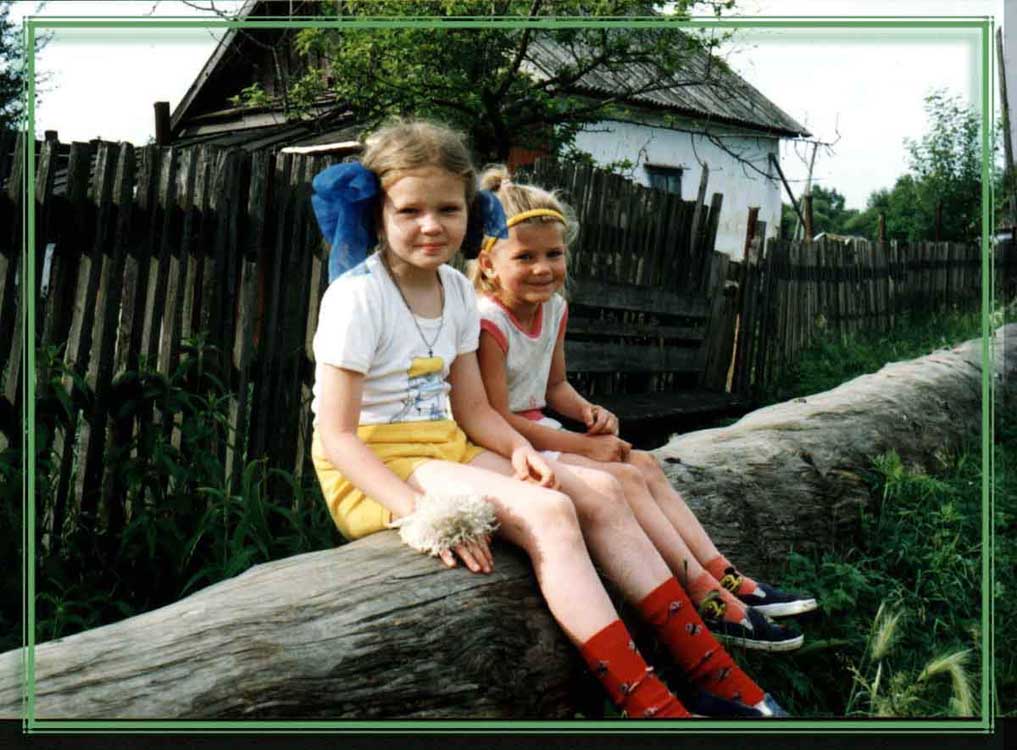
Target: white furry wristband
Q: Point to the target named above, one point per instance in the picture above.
(441, 522)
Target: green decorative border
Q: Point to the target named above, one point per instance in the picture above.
(983, 724)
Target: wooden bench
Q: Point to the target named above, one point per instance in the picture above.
(657, 359)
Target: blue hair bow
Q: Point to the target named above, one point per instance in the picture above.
(487, 219)
(344, 202)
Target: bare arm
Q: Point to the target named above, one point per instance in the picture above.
(492, 368)
(486, 427)
(338, 418)
(564, 399)
(560, 394)
(599, 447)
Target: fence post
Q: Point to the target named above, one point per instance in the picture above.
(718, 341)
(91, 444)
(10, 254)
(252, 239)
(278, 216)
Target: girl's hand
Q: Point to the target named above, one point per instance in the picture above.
(530, 466)
(607, 448)
(599, 421)
(476, 555)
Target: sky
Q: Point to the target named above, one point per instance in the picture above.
(859, 91)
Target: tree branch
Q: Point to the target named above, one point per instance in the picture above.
(524, 44)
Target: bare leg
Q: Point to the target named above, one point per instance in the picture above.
(657, 526)
(615, 539)
(673, 505)
(543, 522)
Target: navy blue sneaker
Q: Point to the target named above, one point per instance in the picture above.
(756, 631)
(766, 599)
(769, 708)
(707, 704)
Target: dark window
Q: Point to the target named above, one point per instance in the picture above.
(668, 179)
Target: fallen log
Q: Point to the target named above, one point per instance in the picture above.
(369, 630)
(372, 630)
(792, 475)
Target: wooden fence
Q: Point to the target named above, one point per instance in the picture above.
(137, 249)
(796, 291)
(643, 279)
(143, 248)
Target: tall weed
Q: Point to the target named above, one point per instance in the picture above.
(834, 360)
(185, 525)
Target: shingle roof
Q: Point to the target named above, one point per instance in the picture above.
(706, 88)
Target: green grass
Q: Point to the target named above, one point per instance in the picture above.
(903, 595)
(898, 630)
(836, 359)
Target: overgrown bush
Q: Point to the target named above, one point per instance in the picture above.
(899, 607)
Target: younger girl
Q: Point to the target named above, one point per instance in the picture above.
(400, 415)
(522, 361)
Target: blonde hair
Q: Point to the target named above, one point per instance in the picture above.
(517, 198)
(405, 145)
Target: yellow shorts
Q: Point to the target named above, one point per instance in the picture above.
(402, 447)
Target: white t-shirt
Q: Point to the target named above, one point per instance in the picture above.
(527, 352)
(365, 326)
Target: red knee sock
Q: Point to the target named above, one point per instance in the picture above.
(708, 666)
(612, 657)
(738, 583)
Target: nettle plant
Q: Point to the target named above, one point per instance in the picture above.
(183, 522)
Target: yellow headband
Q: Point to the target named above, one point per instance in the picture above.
(521, 217)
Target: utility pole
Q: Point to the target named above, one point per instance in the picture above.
(806, 216)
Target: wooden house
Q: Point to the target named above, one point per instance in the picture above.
(664, 137)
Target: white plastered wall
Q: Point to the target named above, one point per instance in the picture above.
(742, 185)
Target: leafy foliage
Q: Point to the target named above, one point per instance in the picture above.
(489, 82)
(898, 630)
(828, 214)
(944, 177)
(186, 525)
(13, 71)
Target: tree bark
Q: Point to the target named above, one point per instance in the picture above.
(369, 630)
(373, 630)
(792, 476)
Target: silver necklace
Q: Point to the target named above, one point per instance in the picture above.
(429, 345)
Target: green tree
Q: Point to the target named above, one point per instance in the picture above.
(947, 167)
(13, 72)
(944, 175)
(828, 213)
(499, 85)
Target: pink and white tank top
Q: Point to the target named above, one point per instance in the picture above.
(528, 352)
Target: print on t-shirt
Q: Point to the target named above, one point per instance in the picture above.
(425, 392)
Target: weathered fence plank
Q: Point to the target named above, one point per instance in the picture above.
(252, 241)
(91, 442)
(843, 288)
